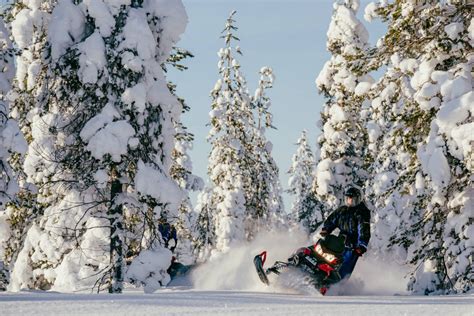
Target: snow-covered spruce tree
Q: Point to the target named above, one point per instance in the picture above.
(11, 142)
(181, 172)
(237, 201)
(28, 98)
(305, 209)
(343, 140)
(231, 123)
(423, 191)
(394, 130)
(395, 125)
(444, 85)
(204, 227)
(111, 121)
(263, 199)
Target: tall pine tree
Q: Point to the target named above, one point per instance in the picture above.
(305, 209)
(29, 23)
(264, 203)
(444, 85)
(231, 122)
(343, 140)
(181, 172)
(110, 127)
(12, 144)
(244, 192)
(422, 192)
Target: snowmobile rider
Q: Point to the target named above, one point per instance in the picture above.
(353, 221)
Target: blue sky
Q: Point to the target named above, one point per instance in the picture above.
(290, 37)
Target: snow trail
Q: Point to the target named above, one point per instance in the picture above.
(229, 303)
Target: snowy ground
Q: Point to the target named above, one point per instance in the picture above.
(229, 286)
(199, 302)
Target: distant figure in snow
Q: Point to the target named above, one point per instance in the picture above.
(353, 221)
(168, 234)
(170, 240)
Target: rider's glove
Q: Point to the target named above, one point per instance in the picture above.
(294, 260)
(297, 255)
(360, 250)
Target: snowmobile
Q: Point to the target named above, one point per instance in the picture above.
(319, 263)
(177, 269)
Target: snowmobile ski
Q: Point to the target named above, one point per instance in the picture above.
(259, 261)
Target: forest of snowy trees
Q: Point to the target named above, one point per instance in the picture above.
(94, 152)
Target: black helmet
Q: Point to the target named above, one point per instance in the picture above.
(354, 193)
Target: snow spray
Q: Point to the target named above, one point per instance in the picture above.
(375, 276)
(234, 270)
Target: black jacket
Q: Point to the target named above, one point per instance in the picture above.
(353, 222)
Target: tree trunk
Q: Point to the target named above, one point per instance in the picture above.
(115, 214)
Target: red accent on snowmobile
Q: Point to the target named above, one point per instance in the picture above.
(326, 268)
(307, 251)
(323, 290)
(263, 257)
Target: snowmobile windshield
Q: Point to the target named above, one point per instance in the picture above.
(333, 244)
(329, 257)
